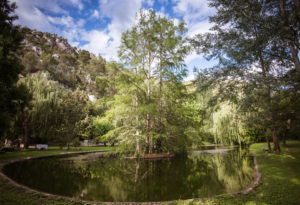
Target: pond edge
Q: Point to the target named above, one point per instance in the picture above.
(54, 196)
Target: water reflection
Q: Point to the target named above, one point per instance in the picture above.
(97, 178)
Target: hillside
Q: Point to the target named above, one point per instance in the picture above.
(58, 61)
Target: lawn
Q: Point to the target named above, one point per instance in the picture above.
(280, 183)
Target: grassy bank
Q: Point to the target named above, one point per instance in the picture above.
(4, 157)
(280, 182)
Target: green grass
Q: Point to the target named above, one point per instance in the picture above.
(280, 183)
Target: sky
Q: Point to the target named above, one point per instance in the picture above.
(97, 25)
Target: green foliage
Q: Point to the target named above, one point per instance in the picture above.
(100, 128)
(73, 110)
(11, 95)
(150, 105)
(76, 142)
(43, 114)
(84, 56)
(253, 62)
(54, 113)
(96, 67)
(31, 62)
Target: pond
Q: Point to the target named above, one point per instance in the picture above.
(95, 177)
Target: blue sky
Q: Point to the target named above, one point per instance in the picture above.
(97, 25)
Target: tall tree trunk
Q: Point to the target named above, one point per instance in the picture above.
(68, 143)
(148, 99)
(268, 142)
(284, 137)
(288, 30)
(137, 150)
(26, 130)
(269, 100)
(148, 135)
(158, 141)
(137, 167)
(294, 52)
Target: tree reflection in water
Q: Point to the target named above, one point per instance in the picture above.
(98, 178)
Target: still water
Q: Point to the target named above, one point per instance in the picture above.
(95, 177)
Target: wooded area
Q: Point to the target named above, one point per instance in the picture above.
(142, 102)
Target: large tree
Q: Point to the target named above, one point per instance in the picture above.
(254, 56)
(11, 95)
(155, 49)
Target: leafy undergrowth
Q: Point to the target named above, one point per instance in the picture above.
(280, 182)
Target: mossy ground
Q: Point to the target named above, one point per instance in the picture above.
(280, 183)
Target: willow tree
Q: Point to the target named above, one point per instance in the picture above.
(53, 113)
(41, 118)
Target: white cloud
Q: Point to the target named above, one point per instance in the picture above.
(32, 17)
(192, 10)
(106, 42)
(149, 3)
(66, 21)
(95, 14)
(199, 27)
(80, 22)
(98, 42)
(120, 11)
(56, 21)
(195, 13)
(190, 77)
(77, 3)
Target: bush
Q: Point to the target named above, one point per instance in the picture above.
(76, 142)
